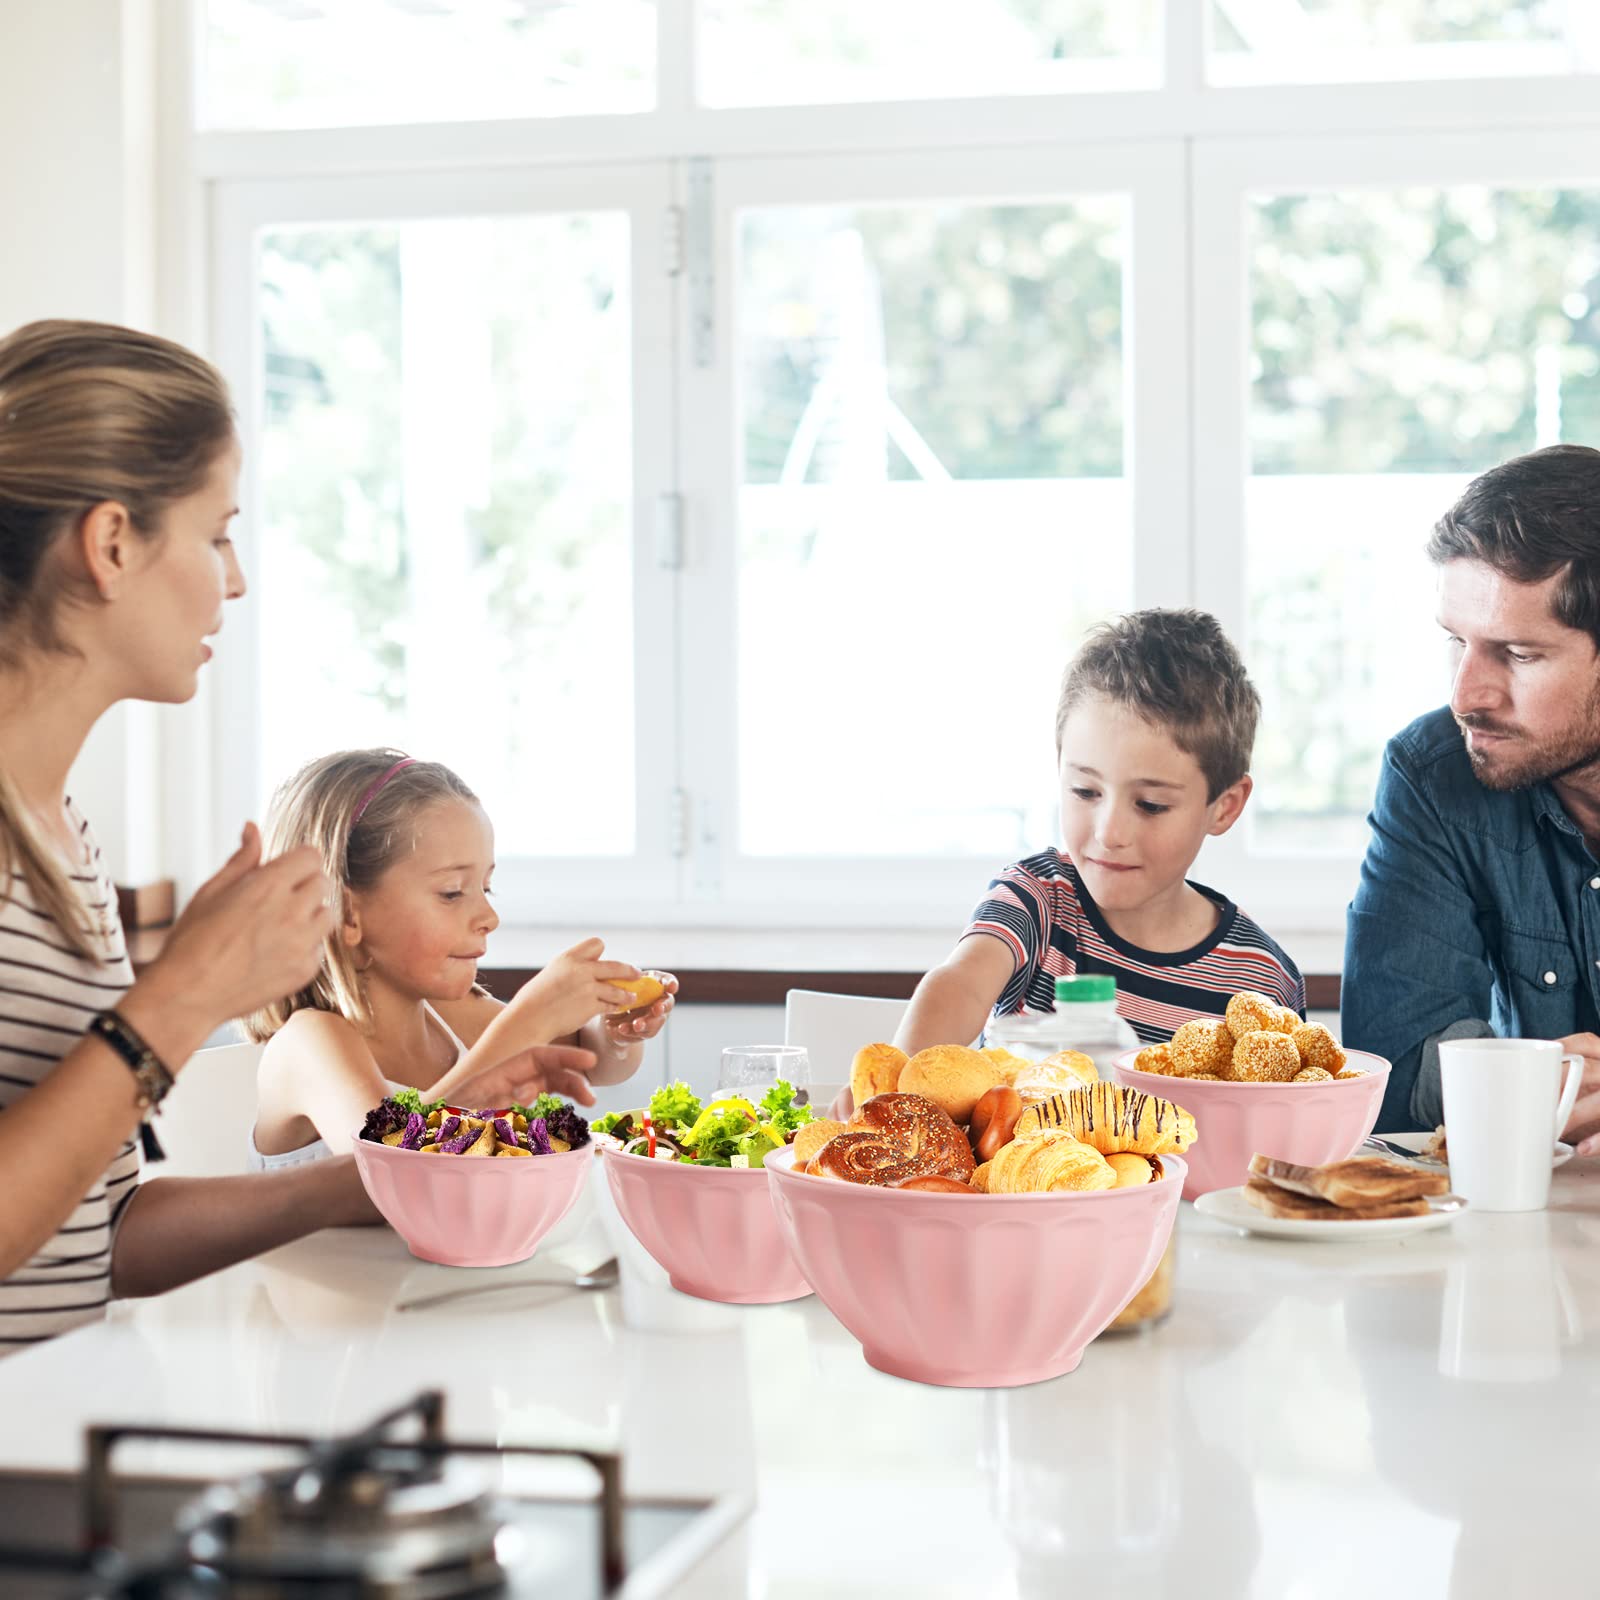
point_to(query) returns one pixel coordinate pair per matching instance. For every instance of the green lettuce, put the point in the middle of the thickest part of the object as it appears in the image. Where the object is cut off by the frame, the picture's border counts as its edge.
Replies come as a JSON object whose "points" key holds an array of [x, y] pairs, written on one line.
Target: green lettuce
{"points": [[411, 1100], [778, 1108], [674, 1103], [716, 1135]]}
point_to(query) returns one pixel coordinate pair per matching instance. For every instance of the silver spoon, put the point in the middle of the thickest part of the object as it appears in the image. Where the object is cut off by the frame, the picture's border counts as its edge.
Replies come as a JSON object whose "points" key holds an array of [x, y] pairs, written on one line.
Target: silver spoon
{"points": [[601, 1277]]}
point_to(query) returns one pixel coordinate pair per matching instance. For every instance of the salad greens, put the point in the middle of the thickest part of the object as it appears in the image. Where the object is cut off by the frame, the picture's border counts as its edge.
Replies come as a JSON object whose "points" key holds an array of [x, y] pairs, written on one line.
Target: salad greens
{"points": [[727, 1131]]}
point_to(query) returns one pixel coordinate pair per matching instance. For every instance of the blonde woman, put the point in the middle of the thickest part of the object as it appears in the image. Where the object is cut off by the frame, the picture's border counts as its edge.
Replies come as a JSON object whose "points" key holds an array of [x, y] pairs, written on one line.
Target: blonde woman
{"points": [[118, 487], [395, 1002]]}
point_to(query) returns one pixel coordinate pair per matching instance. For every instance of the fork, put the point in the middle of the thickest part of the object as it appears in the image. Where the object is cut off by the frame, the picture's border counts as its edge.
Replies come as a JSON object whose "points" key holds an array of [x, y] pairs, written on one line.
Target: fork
{"points": [[601, 1277]]}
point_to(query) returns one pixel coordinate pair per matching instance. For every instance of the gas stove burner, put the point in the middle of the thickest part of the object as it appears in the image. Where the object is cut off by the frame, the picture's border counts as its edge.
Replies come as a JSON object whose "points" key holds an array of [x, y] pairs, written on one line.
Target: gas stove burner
{"points": [[370, 1516]]}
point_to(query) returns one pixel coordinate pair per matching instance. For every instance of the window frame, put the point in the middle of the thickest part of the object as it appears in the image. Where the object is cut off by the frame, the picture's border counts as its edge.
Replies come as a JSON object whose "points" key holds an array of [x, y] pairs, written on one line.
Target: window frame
{"points": [[1194, 148]]}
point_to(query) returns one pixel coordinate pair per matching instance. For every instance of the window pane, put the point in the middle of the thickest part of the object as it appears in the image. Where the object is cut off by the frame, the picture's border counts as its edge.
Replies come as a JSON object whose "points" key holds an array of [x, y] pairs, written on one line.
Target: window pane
{"points": [[785, 52], [333, 63], [933, 509], [1327, 41], [446, 532], [1403, 341]]}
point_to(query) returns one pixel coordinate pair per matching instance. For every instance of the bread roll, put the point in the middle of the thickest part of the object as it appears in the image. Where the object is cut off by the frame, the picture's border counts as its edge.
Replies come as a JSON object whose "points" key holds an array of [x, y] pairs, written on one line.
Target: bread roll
{"points": [[1111, 1118], [875, 1070], [950, 1075], [811, 1138]]}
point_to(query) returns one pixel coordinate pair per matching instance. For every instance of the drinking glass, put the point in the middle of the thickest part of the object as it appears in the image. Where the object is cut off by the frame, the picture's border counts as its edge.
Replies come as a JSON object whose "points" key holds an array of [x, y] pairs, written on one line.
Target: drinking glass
{"points": [[759, 1066]]}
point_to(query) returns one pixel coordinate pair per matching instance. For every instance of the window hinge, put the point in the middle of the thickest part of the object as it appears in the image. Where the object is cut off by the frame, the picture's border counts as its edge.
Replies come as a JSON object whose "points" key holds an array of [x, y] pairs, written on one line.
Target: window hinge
{"points": [[678, 824], [669, 532]]}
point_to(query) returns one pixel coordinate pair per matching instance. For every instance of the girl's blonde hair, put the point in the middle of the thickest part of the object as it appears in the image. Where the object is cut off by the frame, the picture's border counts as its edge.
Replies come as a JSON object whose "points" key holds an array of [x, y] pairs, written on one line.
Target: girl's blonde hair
{"points": [[89, 413], [318, 806]]}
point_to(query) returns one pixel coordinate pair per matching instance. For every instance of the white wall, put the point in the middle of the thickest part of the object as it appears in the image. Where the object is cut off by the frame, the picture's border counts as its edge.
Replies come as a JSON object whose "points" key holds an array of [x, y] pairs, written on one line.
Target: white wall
{"points": [[77, 192]]}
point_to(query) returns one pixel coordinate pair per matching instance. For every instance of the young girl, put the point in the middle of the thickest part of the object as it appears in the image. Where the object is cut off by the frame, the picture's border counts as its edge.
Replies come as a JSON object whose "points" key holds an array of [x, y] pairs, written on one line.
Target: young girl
{"points": [[396, 1001]]}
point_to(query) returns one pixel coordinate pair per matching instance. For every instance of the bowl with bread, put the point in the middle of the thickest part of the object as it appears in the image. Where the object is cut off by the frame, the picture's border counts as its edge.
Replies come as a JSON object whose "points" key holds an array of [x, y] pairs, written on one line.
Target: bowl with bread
{"points": [[988, 1255], [1260, 1080]]}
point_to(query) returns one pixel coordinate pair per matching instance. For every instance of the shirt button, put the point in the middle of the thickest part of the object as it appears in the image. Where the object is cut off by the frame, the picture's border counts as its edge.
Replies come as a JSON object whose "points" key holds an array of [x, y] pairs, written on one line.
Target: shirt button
{"points": [[1549, 977], [1594, 883]]}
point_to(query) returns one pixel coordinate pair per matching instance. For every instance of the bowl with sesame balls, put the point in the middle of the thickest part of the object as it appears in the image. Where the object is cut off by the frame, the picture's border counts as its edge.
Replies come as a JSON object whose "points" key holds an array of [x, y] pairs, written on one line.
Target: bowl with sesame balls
{"points": [[1260, 1081]]}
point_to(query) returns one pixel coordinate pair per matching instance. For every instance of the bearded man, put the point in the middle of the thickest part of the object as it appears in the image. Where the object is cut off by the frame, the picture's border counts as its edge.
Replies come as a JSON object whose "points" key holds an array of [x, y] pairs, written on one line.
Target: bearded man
{"points": [[1478, 910]]}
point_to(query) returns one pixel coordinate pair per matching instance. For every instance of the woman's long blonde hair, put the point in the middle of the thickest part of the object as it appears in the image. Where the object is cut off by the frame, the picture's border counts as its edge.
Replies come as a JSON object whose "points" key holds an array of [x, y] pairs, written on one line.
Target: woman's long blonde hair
{"points": [[318, 806], [89, 413]]}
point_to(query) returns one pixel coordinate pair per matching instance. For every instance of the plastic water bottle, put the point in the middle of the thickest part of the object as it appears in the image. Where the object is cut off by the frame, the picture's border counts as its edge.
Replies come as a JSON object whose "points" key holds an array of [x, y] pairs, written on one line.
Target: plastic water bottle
{"points": [[1085, 1019]]}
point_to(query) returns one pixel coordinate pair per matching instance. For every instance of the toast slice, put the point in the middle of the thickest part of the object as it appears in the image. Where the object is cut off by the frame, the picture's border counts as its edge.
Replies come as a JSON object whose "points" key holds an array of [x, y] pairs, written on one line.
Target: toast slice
{"points": [[1276, 1202], [1360, 1181]]}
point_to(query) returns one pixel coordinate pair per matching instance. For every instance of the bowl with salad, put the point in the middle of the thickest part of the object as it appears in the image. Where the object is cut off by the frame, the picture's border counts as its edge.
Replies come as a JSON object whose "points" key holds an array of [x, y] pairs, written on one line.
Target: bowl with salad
{"points": [[472, 1186], [689, 1179]]}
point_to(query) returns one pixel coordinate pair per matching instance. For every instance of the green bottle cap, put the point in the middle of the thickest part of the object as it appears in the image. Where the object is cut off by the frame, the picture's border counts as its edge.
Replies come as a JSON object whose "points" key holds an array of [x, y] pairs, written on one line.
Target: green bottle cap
{"points": [[1094, 987]]}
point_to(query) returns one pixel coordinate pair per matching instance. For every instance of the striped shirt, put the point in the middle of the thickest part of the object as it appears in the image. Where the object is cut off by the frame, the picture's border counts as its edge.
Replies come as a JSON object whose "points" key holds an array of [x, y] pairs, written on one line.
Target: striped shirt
{"points": [[48, 993], [1040, 908]]}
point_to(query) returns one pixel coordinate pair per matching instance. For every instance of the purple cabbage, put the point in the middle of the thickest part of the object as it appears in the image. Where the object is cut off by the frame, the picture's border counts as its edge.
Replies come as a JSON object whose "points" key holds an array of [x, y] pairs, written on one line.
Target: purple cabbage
{"points": [[383, 1119], [539, 1137], [461, 1145], [567, 1124], [416, 1126], [449, 1127], [503, 1131]]}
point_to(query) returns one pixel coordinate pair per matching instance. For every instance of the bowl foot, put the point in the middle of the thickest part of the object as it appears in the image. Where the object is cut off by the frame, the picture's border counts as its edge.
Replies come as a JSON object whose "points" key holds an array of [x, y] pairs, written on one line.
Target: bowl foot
{"points": [[971, 1378], [451, 1258], [702, 1291]]}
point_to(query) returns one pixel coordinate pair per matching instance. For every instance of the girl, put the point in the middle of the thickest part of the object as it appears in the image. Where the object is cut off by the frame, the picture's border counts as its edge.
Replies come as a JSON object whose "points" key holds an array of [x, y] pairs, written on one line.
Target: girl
{"points": [[395, 1002], [118, 484]]}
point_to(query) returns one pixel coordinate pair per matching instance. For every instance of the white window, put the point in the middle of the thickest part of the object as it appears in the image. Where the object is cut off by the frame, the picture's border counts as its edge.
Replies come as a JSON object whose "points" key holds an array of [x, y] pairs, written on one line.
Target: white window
{"points": [[710, 425]]}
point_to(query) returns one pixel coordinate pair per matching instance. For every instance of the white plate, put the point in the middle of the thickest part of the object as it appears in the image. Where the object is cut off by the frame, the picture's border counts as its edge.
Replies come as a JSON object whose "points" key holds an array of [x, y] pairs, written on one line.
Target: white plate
{"points": [[1559, 1157], [1231, 1207]]}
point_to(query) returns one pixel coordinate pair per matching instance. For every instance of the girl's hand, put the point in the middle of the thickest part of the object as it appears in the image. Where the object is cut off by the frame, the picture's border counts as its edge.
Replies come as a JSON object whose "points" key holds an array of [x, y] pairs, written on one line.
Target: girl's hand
{"points": [[645, 1024], [252, 934], [543, 1069], [568, 992]]}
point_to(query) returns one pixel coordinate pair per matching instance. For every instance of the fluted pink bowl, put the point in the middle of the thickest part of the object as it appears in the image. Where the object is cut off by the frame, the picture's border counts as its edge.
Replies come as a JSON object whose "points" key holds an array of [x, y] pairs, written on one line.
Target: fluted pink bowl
{"points": [[975, 1291], [471, 1211], [711, 1228], [1307, 1123]]}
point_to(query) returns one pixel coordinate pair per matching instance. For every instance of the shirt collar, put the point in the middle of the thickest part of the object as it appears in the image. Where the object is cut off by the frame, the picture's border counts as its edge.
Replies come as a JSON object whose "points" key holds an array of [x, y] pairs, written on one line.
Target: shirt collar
{"points": [[1547, 808]]}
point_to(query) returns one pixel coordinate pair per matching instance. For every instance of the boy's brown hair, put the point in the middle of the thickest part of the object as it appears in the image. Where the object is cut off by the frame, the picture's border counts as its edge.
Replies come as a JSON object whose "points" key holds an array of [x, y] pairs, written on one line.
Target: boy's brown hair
{"points": [[1179, 671]]}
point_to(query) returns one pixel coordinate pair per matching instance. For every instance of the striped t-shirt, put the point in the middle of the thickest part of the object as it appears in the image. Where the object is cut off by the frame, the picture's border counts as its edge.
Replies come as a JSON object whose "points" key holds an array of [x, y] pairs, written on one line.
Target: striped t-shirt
{"points": [[48, 993], [1040, 908]]}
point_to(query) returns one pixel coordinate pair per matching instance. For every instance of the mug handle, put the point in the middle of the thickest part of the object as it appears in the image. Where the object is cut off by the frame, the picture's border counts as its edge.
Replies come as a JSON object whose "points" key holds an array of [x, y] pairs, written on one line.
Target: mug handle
{"points": [[1573, 1066]]}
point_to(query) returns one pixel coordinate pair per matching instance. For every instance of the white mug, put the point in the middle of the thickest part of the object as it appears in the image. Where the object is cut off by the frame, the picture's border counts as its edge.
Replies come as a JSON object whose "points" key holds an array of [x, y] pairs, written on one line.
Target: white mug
{"points": [[1505, 1103]]}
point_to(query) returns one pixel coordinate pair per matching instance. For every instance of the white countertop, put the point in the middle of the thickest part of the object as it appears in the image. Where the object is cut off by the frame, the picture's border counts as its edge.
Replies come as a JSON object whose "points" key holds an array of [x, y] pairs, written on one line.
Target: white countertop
{"points": [[1314, 1420]]}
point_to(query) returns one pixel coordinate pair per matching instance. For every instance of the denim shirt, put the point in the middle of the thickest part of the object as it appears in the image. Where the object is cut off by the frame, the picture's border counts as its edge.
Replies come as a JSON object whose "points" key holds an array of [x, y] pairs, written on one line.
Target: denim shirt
{"points": [[1477, 915]]}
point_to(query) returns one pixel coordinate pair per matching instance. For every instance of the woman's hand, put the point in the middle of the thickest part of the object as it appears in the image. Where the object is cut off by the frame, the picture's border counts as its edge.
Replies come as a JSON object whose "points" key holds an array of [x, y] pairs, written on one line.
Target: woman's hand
{"points": [[574, 987], [542, 1069], [643, 1024], [252, 934]]}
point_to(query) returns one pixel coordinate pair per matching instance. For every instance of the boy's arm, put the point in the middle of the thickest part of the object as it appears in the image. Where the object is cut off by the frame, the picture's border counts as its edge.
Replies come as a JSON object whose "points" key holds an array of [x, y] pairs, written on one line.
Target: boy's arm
{"points": [[954, 1000]]}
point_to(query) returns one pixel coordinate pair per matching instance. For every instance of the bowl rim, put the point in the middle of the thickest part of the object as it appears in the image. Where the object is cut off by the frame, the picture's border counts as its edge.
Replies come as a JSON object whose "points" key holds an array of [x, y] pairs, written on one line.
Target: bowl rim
{"points": [[357, 1143], [608, 1145], [1378, 1070], [785, 1173]]}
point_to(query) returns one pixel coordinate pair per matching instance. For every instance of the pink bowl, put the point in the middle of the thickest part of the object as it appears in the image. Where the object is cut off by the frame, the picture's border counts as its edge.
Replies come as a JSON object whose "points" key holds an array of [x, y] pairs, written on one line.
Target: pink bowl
{"points": [[1307, 1123], [466, 1211], [712, 1228], [979, 1291]]}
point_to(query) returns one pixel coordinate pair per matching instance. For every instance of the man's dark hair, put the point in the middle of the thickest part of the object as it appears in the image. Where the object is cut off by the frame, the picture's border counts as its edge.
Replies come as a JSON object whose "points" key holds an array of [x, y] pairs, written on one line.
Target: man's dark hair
{"points": [[1180, 672], [1530, 518]]}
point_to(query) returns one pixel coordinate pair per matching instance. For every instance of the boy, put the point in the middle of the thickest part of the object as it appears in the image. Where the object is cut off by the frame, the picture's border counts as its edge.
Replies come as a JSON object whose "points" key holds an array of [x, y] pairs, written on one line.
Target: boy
{"points": [[1154, 729]]}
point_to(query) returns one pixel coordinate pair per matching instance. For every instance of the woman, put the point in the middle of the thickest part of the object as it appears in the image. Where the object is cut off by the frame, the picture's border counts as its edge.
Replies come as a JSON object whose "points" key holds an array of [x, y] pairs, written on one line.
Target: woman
{"points": [[118, 482]]}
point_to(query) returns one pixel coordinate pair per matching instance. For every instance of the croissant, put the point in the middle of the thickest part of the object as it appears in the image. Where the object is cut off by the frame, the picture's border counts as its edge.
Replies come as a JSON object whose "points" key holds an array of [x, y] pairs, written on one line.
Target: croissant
{"points": [[1049, 1161], [920, 1128], [1112, 1118], [862, 1156]]}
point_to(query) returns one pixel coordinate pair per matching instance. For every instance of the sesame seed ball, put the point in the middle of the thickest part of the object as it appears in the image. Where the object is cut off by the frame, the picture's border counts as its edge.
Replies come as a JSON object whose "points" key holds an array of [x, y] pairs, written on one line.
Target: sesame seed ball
{"points": [[1249, 1011], [1313, 1075], [1154, 1058], [1318, 1048], [1203, 1045], [1289, 1019], [1348, 1074], [1262, 1057]]}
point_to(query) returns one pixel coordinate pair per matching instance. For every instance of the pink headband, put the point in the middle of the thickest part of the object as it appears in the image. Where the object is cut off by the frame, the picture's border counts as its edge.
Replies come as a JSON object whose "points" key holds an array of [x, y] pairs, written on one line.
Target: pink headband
{"points": [[376, 785]]}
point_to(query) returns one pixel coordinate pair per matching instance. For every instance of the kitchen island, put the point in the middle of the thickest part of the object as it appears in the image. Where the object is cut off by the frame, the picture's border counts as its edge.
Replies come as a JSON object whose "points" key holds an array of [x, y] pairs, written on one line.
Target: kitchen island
{"points": [[1315, 1420]]}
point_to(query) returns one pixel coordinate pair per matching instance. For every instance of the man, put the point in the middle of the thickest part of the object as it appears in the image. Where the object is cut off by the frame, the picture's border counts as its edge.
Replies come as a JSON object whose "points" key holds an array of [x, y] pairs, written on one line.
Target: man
{"points": [[1478, 910]]}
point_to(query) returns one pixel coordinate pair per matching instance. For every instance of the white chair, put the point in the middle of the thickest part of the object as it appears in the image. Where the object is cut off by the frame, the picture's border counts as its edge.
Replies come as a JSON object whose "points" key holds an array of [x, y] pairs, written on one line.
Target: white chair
{"points": [[205, 1123], [833, 1027]]}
